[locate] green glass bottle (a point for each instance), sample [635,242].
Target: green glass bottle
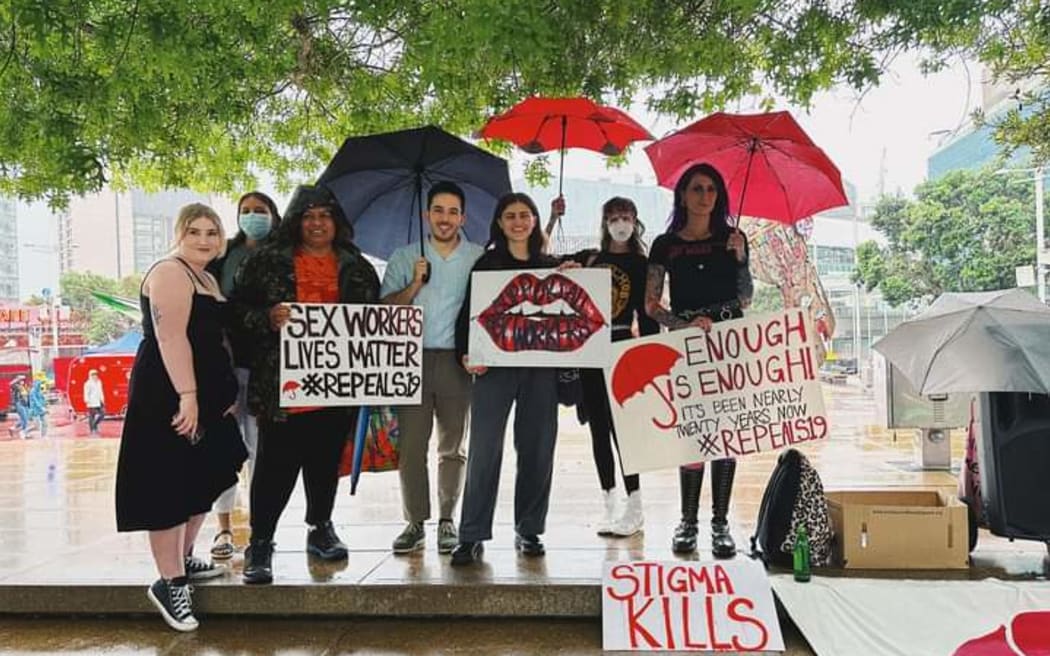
[801,555]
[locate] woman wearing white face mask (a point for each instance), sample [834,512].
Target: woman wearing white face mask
[623,253]
[257,218]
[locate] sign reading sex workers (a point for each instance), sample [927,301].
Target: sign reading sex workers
[747,386]
[682,605]
[335,354]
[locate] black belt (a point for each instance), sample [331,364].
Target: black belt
[715,311]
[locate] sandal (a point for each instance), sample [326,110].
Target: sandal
[222,546]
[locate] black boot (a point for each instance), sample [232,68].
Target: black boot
[722,472]
[689,483]
[258,561]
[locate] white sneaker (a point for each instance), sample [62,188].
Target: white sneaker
[610,503]
[631,521]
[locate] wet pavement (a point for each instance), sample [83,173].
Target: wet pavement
[58,544]
[112,637]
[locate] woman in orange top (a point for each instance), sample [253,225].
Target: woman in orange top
[312,260]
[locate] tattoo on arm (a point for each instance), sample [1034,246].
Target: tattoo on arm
[654,291]
[154,311]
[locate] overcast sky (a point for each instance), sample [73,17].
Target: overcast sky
[899,116]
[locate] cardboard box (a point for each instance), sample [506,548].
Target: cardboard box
[899,529]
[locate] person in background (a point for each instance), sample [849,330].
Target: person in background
[622,252]
[257,218]
[20,402]
[95,400]
[38,406]
[180,446]
[516,241]
[707,263]
[312,259]
[446,385]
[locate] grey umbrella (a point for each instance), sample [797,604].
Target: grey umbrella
[975,342]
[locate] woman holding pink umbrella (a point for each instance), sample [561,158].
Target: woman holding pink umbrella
[707,262]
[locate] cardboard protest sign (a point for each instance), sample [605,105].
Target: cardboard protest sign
[688,606]
[540,318]
[334,354]
[748,386]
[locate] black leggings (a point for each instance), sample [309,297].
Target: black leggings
[309,441]
[599,419]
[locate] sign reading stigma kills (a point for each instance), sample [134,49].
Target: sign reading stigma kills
[726,606]
[748,386]
[339,354]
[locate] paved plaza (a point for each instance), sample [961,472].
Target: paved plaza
[59,551]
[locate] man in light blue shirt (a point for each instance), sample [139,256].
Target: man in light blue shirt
[437,283]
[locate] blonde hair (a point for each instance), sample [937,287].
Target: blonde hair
[190,213]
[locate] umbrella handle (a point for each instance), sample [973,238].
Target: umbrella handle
[422,237]
[561,166]
[360,431]
[752,147]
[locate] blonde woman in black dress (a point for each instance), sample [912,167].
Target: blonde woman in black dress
[181,446]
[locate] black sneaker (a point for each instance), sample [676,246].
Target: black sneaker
[448,537]
[413,538]
[323,542]
[466,553]
[529,545]
[198,569]
[174,603]
[258,562]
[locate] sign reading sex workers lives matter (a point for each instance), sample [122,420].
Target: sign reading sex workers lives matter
[335,354]
[682,605]
[748,386]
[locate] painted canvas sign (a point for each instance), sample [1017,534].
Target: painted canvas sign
[540,318]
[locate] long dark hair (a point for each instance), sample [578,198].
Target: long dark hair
[720,212]
[304,198]
[620,204]
[498,240]
[275,216]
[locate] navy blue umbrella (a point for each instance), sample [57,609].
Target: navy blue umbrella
[381,182]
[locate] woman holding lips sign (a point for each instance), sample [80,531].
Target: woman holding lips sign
[707,262]
[515,242]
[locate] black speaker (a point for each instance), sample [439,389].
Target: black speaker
[1014,457]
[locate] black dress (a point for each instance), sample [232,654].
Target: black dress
[163,479]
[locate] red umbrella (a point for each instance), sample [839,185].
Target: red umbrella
[639,367]
[789,178]
[539,125]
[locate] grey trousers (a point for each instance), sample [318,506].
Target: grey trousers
[446,398]
[534,394]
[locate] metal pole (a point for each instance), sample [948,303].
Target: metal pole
[54,327]
[1040,236]
[116,207]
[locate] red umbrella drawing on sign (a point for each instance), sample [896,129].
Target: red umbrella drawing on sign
[1030,632]
[640,367]
[289,389]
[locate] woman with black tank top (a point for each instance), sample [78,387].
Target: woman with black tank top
[707,262]
[181,446]
[622,252]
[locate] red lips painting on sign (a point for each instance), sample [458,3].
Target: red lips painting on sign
[540,318]
[1028,634]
